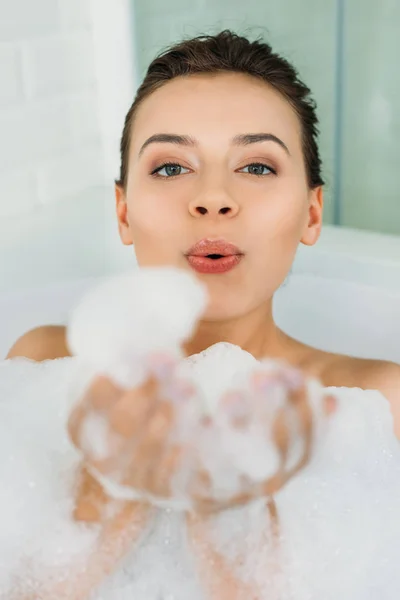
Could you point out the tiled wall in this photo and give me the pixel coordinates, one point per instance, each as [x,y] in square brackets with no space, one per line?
[52,172]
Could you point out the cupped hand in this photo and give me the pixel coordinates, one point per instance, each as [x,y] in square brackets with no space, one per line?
[148,443]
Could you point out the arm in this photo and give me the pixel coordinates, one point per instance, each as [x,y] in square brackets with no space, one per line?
[220,580]
[118,534]
[119,531]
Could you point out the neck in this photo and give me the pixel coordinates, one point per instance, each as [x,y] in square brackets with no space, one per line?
[254,332]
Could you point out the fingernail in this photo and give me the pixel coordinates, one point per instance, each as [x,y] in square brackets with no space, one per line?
[235,406]
[289,378]
[294,379]
[206,421]
[263,381]
[179,390]
[161,365]
[330,405]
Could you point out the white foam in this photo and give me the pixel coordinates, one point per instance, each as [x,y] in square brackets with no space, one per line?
[37,474]
[338,518]
[123,320]
[150,310]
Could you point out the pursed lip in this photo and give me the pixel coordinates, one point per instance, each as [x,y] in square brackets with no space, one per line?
[206,247]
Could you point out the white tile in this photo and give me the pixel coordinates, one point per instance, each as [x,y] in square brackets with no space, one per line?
[18,194]
[11,90]
[71,174]
[29,134]
[59,242]
[25,19]
[59,64]
[37,132]
[83,116]
[74,13]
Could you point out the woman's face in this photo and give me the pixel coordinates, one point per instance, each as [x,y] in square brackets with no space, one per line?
[251,191]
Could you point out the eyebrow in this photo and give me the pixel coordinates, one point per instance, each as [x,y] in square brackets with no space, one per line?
[243,139]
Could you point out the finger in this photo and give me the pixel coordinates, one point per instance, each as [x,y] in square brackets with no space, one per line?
[280,435]
[299,399]
[129,416]
[161,476]
[202,495]
[203,484]
[162,365]
[306,422]
[210,506]
[236,407]
[74,423]
[90,499]
[330,405]
[101,395]
[151,445]
[177,390]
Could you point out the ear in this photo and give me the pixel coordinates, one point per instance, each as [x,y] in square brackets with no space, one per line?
[124,229]
[313,226]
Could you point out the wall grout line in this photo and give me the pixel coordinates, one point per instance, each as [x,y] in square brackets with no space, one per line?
[339,113]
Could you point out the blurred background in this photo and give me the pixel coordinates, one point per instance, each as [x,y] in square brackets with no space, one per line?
[69,70]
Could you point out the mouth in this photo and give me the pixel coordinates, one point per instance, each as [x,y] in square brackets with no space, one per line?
[214,256]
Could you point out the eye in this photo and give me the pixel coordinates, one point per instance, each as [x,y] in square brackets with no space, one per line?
[170,170]
[259,169]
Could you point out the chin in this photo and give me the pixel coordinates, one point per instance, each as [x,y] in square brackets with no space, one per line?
[224,310]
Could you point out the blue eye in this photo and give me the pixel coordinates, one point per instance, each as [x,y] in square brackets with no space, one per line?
[259,169]
[170,170]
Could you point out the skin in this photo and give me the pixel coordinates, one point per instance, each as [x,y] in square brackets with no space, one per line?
[215,196]
[266,216]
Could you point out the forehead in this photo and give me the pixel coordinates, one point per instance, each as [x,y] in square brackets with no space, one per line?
[216,106]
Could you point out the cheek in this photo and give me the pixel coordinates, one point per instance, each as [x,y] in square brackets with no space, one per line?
[281,217]
[153,217]
[276,232]
[156,228]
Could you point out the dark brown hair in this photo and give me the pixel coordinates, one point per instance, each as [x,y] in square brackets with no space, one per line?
[229,52]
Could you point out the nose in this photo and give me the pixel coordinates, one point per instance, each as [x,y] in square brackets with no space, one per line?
[214,204]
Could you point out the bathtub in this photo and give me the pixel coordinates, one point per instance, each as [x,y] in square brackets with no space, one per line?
[342,295]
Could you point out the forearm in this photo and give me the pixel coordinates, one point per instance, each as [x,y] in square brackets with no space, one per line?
[118,534]
[217,575]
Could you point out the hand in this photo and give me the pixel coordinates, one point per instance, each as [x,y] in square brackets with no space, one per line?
[154,436]
[220,576]
[280,404]
[128,438]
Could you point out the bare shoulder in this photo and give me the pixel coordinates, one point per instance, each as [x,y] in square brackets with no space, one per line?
[42,343]
[380,375]
[364,373]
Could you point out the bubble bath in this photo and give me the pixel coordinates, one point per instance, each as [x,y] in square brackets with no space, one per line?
[338,530]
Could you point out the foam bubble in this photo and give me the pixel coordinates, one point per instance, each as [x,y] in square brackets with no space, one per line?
[127,317]
[337,532]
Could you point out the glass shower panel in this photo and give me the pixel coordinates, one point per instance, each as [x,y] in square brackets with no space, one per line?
[304,31]
[370,156]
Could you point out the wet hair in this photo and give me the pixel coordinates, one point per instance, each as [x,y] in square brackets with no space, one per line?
[230,52]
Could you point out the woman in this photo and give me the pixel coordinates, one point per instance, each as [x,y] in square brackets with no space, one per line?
[221,175]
